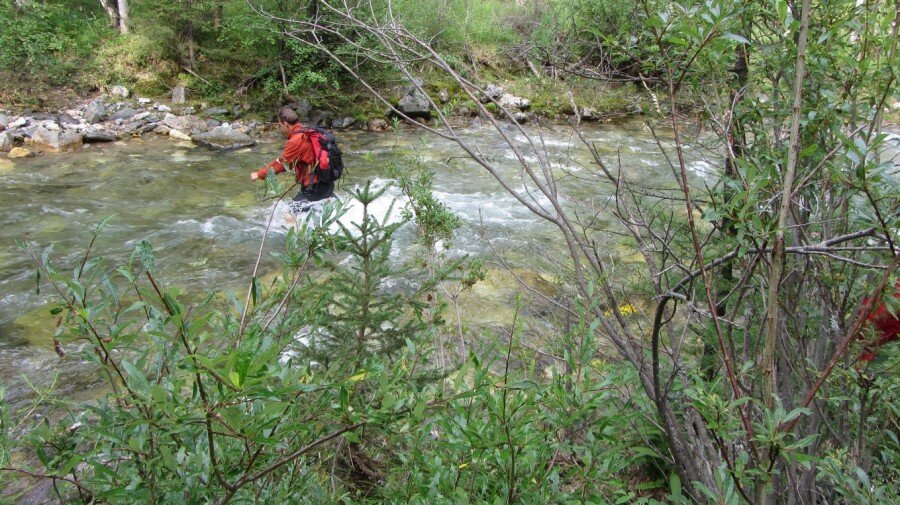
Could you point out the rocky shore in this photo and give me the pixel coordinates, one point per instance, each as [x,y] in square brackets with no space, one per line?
[116,115]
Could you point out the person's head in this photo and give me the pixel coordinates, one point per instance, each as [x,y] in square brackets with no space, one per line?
[287,118]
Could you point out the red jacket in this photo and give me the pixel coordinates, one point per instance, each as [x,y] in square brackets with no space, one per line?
[887,328]
[298,156]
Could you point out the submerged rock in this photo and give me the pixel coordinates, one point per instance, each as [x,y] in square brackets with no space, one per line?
[20,152]
[179,135]
[223,137]
[53,141]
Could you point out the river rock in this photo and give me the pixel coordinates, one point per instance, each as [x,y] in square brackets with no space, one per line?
[141,116]
[223,138]
[18,123]
[184,123]
[94,112]
[6,142]
[319,118]
[415,103]
[4,122]
[164,108]
[510,101]
[144,101]
[52,141]
[303,108]
[588,114]
[342,123]
[178,95]
[212,123]
[19,152]
[148,127]
[119,92]
[377,125]
[179,135]
[92,136]
[491,92]
[162,129]
[520,117]
[215,111]
[126,113]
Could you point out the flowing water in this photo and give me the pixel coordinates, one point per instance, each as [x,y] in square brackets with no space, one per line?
[205,219]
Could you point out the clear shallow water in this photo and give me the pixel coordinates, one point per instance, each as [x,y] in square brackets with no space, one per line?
[205,218]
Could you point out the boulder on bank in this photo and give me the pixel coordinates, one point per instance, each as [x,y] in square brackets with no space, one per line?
[119,92]
[223,137]
[491,92]
[509,101]
[415,103]
[56,141]
[125,113]
[215,111]
[343,123]
[303,109]
[94,136]
[6,142]
[178,95]
[184,123]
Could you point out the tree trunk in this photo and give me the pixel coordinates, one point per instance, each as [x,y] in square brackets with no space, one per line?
[123,16]
[112,11]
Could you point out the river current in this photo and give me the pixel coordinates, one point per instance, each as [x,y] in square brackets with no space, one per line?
[205,219]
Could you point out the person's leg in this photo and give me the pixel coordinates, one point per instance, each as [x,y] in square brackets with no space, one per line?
[320,191]
[300,202]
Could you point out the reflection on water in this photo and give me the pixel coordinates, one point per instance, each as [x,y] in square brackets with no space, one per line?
[205,218]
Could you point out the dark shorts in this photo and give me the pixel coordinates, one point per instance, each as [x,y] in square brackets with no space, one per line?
[316,192]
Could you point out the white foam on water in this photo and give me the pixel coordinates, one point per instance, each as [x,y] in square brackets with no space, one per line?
[702,169]
[387,209]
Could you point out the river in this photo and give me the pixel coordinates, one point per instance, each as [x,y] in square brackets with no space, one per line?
[205,218]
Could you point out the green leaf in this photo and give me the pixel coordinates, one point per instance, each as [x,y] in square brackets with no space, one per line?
[674,485]
[737,38]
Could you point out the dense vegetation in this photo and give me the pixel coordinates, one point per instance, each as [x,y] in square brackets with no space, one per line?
[721,366]
[233,51]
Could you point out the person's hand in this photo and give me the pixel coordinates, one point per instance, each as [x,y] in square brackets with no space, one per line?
[254,176]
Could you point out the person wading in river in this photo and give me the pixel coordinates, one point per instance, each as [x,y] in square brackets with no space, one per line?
[300,157]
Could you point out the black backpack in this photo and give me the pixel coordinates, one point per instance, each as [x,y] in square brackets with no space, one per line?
[329,160]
